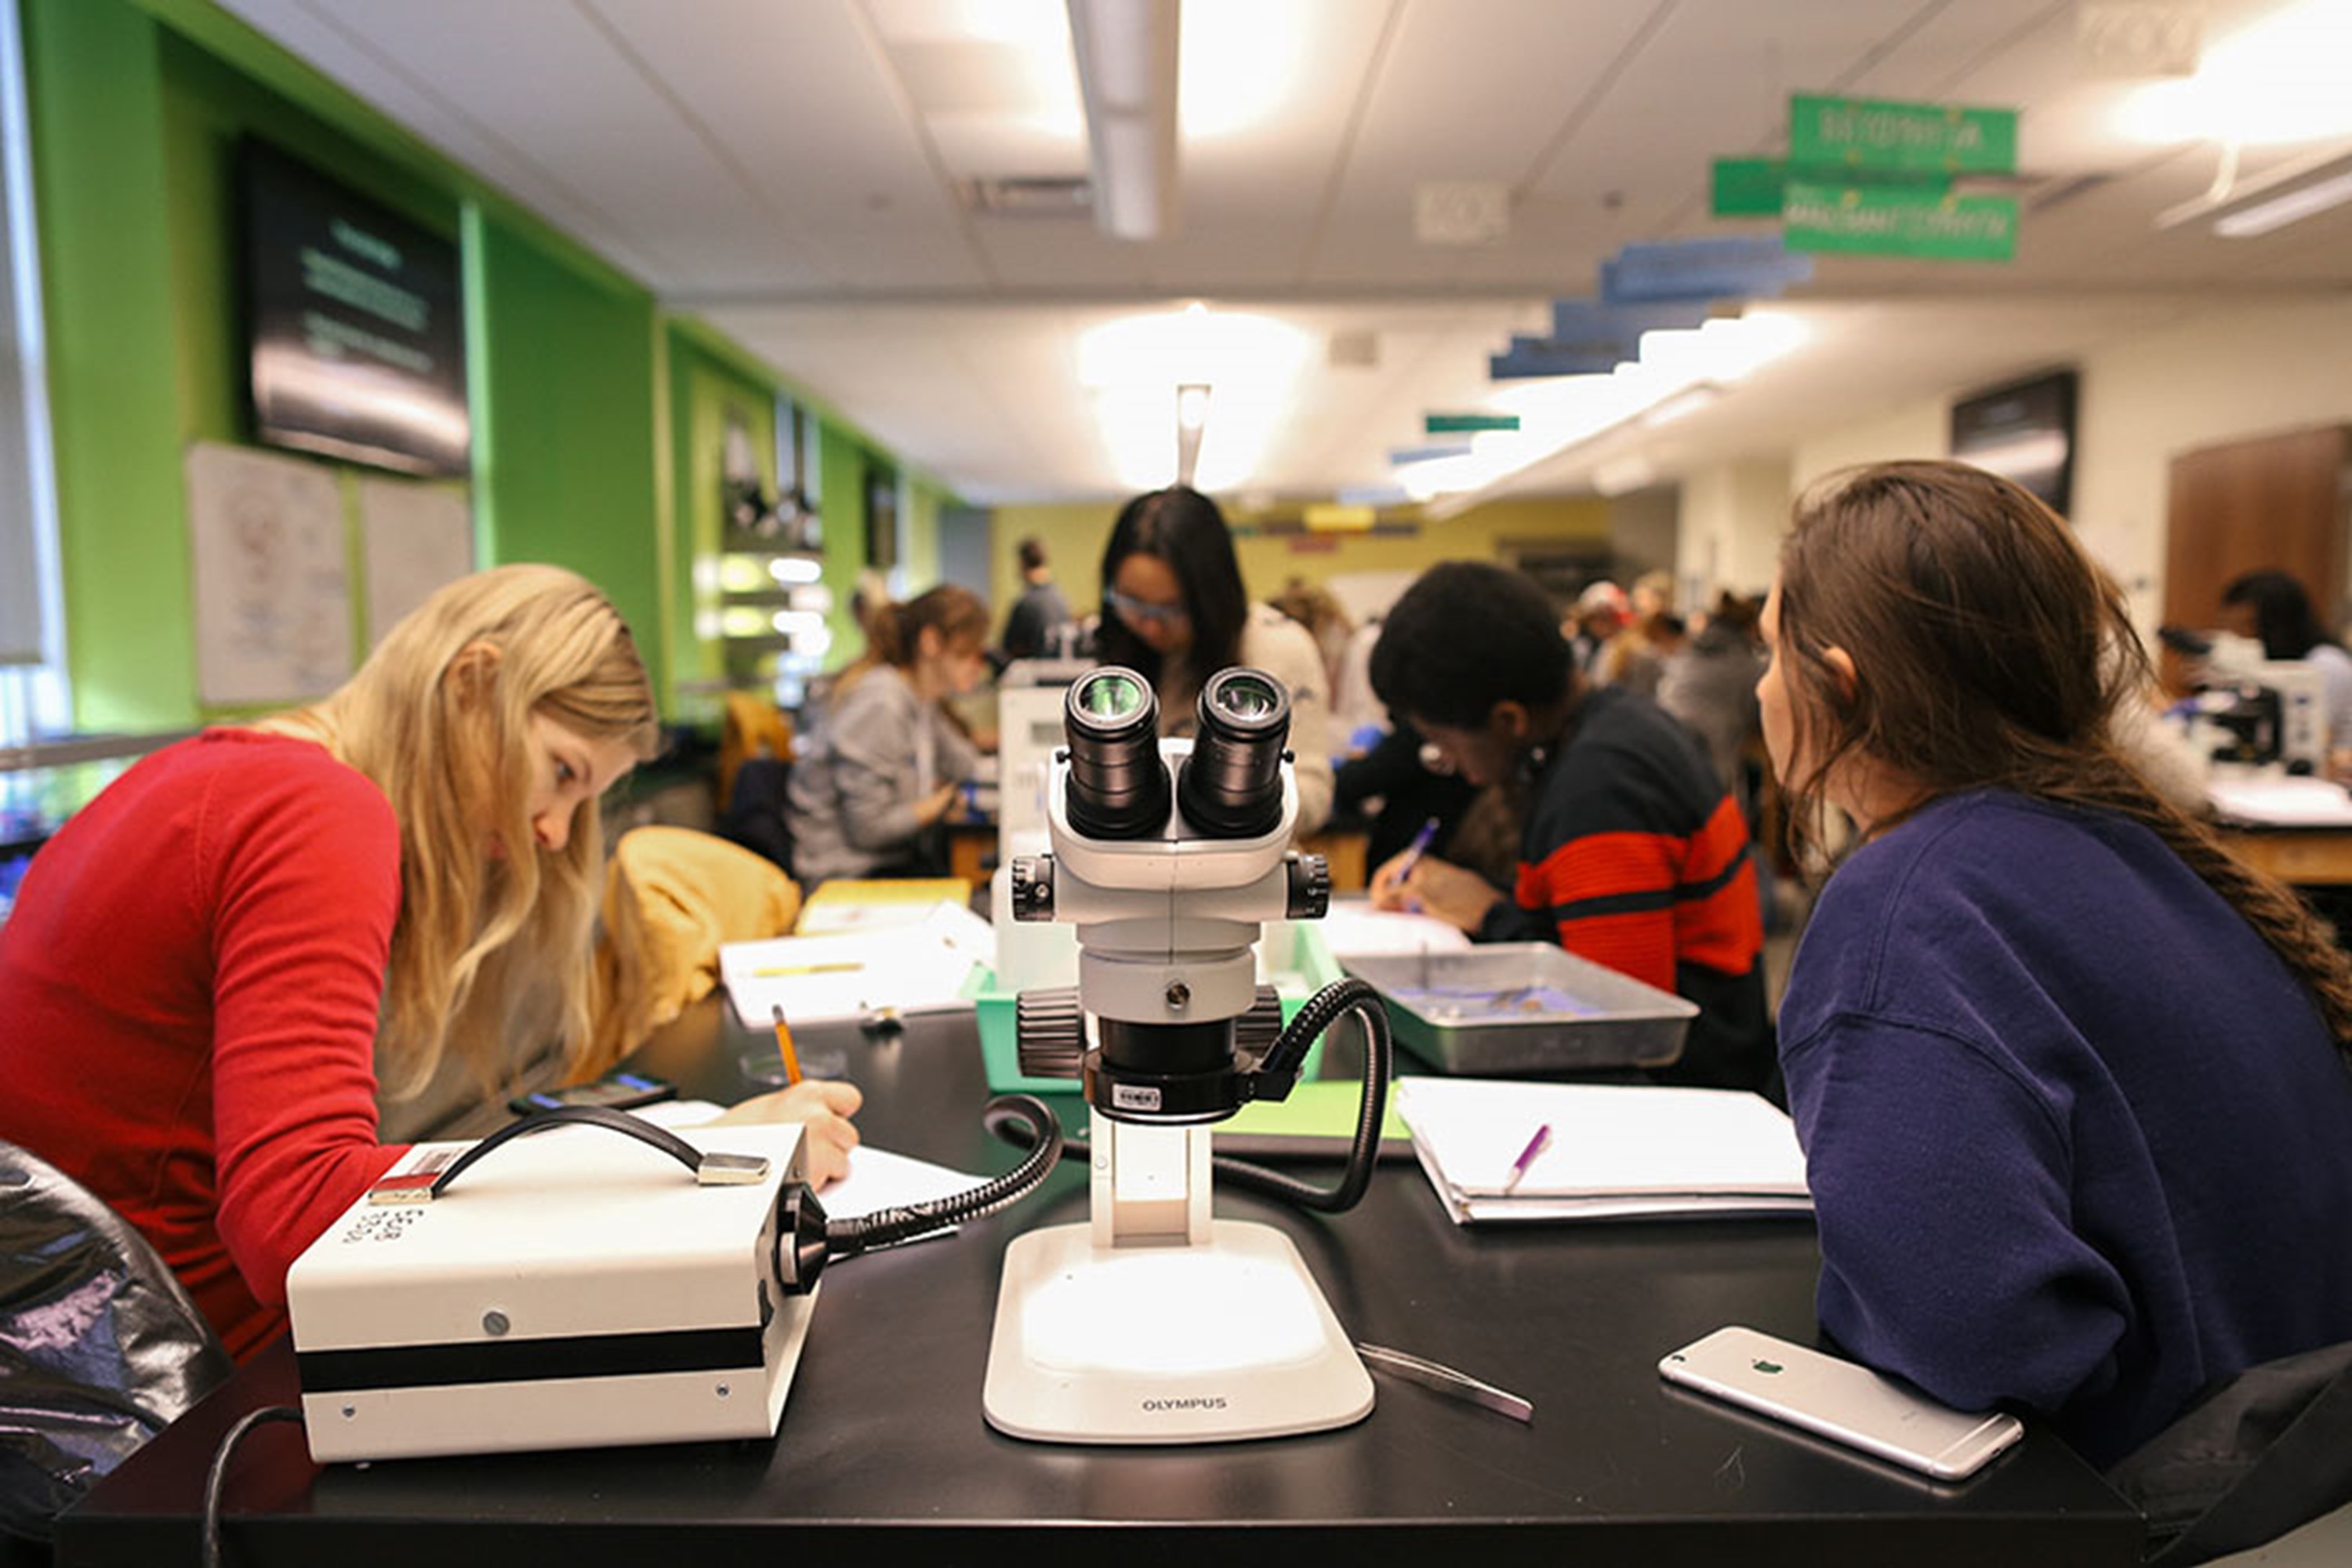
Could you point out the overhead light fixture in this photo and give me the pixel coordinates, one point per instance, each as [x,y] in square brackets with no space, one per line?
[2294,191]
[1192,418]
[1135,366]
[1125,53]
[2275,80]
[2289,207]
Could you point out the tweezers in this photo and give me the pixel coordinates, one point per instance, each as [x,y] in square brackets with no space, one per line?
[1445,1380]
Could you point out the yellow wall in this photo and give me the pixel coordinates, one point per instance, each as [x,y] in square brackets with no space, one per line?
[1074,536]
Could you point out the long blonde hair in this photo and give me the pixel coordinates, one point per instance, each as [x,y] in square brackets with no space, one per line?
[489,952]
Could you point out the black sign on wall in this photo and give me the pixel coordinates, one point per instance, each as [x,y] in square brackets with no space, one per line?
[355,327]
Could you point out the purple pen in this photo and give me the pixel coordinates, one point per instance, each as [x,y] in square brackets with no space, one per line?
[1535,1146]
[1416,849]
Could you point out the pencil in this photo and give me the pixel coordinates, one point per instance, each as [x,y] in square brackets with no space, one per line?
[784,1047]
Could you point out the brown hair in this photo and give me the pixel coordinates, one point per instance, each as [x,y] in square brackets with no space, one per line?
[1997,656]
[895,632]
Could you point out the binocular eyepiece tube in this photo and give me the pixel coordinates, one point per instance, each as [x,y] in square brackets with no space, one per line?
[1231,785]
[1118,785]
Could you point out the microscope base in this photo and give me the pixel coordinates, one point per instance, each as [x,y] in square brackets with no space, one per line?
[1207,1343]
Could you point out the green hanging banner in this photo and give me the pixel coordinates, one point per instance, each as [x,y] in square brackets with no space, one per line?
[1854,133]
[1467,424]
[1749,188]
[1899,220]
[1756,187]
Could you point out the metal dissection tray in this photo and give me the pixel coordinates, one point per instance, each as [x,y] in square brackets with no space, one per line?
[1525,1006]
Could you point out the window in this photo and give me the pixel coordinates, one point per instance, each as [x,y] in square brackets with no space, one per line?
[33,697]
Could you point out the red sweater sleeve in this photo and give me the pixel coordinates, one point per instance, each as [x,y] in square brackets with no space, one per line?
[305,874]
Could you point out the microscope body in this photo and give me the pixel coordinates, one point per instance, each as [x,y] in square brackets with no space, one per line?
[1168,894]
[2259,710]
[1167,856]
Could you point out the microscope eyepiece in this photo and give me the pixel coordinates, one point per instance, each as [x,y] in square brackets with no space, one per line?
[1231,787]
[1117,784]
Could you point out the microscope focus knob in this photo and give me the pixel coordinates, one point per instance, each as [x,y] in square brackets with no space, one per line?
[1049,1032]
[1031,887]
[1310,889]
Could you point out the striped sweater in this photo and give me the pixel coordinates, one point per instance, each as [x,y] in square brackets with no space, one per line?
[1634,857]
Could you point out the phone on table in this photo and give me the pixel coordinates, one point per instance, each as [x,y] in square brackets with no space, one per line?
[1842,1401]
[619,1091]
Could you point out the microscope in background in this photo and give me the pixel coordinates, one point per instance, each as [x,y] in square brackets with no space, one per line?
[1155,1322]
[2250,710]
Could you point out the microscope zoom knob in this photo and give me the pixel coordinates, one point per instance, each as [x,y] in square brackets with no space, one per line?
[1031,887]
[1310,888]
[1049,1032]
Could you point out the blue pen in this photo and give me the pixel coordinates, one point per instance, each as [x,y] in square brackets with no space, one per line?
[1535,1146]
[1415,850]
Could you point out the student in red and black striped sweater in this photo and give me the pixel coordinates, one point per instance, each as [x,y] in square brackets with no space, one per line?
[1633,856]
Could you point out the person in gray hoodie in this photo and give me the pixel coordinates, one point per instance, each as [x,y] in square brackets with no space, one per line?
[886,768]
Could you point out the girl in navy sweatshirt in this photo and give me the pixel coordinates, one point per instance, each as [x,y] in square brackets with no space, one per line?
[2071,1080]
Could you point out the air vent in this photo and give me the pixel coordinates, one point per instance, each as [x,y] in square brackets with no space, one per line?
[1355,350]
[1041,196]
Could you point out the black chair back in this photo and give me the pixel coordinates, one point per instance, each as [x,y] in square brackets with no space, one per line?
[100,1348]
[2265,1452]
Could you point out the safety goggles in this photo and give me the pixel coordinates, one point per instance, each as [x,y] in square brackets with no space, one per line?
[1140,612]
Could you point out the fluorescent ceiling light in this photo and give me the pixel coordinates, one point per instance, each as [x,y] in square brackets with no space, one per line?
[1192,406]
[1125,53]
[2289,207]
[1244,61]
[1137,366]
[2279,79]
[2279,196]
[1192,418]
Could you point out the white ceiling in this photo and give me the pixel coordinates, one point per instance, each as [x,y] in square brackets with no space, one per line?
[790,170]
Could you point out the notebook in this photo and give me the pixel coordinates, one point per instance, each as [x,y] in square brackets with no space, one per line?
[1614,1151]
[923,966]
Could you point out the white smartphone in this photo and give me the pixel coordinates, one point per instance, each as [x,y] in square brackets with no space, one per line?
[1841,1400]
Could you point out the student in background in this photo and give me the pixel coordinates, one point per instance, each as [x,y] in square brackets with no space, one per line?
[1040,617]
[886,768]
[1709,683]
[2071,1079]
[1599,615]
[207,962]
[1317,608]
[1632,855]
[2272,607]
[1635,656]
[1175,612]
[1396,773]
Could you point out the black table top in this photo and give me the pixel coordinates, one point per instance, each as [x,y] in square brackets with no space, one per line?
[884,1447]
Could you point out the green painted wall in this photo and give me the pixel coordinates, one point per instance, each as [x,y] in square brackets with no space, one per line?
[564,464]
[597,418]
[841,503]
